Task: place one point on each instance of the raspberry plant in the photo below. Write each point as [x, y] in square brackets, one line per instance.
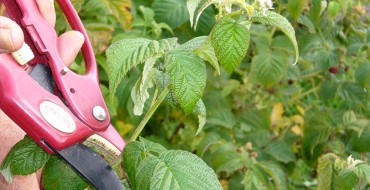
[264, 117]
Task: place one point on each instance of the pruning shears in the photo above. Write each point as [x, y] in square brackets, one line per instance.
[56, 107]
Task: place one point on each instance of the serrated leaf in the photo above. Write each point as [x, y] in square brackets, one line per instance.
[139, 98]
[201, 9]
[269, 68]
[145, 172]
[230, 41]
[172, 12]
[192, 6]
[200, 111]
[349, 179]
[207, 53]
[139, 93]
[127, 53]
[137, 151]
[178, 169]
[193, 44]
[280, 22]
[25, 158]
[325, 172]
[188, 78]
[162, 81]
[363, 171]
[57, 175]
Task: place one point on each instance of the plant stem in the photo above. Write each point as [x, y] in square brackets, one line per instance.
[149, 114]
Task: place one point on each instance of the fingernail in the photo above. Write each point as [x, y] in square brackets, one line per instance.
[6, 42]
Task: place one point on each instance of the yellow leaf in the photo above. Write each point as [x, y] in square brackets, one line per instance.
[296, 129]
[121, 9]
[297, 119]
[300, 109]
[277, 113]
[123, 128]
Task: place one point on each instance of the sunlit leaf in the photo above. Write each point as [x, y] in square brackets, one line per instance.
[188, 78]
[127, 53]
[230, 41]
[325, 172]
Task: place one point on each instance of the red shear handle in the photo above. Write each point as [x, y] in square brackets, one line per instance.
[21, 99]
[82, 93]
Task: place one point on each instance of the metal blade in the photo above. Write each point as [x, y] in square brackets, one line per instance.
[91, 166]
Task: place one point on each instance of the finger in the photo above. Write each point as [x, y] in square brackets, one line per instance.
[69, 44]
[11, 35]
[47, 10]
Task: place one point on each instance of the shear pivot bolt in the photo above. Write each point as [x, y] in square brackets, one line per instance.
[99, 113]
[64, 71]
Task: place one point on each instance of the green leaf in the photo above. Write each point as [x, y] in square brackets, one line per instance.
[363, 171]
[178, 169]
[325, 172]
[25, 158]
[137, 151]
[276, 173]
[58, 175]
[316, 132]
[259, 175]
[349, 179]
[145, 172]
[295, 7]
[200, 111]
[253, 179]
[333, 8]
[205, 4]
[192, 6]
[280, 22]
[193, 44]
[188, 78]
[127, 53]
[230, 41]
[139, 93]
[362, 75]
[254, 127]
[207, 53]
[360, 141]
[281, 151]
[269, 68]
[151, 166]
[172, 12]
[315, 11]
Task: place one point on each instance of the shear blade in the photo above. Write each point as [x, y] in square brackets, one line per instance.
[91, 166]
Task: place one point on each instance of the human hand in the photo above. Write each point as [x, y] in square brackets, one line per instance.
[11, 39]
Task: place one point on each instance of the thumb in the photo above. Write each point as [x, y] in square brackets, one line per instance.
[11, 35]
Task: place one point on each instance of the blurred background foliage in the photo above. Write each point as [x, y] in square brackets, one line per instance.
[270, 124]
